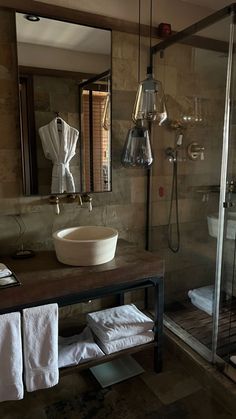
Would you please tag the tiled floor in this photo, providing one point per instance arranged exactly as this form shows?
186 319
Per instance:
172 394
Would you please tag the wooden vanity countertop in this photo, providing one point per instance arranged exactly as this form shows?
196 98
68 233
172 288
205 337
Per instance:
43 278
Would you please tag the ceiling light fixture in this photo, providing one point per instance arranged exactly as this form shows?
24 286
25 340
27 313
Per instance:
32 18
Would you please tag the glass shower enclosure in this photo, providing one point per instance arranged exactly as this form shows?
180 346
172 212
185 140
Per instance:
192 184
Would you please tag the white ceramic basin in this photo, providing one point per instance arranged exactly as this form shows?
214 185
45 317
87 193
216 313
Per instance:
85 245
212 221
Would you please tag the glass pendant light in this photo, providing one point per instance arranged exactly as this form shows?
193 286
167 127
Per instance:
137 151
150 100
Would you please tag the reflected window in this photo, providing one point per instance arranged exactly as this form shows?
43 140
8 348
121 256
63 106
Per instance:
95 130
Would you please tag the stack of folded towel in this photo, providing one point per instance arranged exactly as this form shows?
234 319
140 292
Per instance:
120 328
5 275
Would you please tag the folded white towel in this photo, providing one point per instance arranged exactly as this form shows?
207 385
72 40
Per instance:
40 331
203 298
7 280
77 349
11 363
118 322
129 342
4 271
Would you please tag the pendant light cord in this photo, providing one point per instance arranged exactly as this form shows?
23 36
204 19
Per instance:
150 35
139 39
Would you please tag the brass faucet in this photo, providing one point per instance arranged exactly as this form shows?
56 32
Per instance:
73 197
87 198
55 200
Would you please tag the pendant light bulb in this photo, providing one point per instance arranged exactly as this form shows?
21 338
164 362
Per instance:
137 151
150 100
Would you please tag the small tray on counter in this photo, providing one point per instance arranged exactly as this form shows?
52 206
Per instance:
9 281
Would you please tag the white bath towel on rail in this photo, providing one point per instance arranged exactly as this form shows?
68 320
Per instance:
118 322
77 349
40 342
11 363
129 342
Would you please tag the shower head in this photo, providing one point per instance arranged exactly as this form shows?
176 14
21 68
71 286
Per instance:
179 139
172 152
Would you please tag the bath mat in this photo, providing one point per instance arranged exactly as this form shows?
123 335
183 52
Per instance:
115 371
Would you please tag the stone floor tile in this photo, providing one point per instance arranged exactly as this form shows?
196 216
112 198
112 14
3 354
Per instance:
170 386
201 405
171 394
171 411
173 383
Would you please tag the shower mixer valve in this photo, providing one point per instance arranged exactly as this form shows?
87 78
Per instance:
195 151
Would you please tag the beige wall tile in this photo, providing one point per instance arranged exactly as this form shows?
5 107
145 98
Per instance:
138 189
9 132
9 171
124 73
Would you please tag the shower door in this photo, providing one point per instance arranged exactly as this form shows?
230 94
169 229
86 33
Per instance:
194 76
224 332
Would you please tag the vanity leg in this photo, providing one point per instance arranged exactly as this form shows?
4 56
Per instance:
121 298
146 298
158 325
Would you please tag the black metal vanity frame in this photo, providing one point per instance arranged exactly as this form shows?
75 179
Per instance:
118 289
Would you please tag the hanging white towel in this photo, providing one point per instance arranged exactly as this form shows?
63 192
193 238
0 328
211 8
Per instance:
4 271
11 364
40 342
60 148
118 322
129 342
77 349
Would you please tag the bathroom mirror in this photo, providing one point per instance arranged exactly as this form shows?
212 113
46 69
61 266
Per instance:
65 102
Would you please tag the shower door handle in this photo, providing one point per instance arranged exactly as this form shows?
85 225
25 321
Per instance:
228 204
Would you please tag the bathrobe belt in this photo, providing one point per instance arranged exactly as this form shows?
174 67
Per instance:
62 179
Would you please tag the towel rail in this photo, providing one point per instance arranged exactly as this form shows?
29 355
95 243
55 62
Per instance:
118 289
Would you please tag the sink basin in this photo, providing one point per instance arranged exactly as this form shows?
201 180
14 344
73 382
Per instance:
85 245
212 221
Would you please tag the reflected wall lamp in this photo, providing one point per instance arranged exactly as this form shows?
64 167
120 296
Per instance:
149 106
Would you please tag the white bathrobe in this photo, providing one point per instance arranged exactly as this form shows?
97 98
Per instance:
60 148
